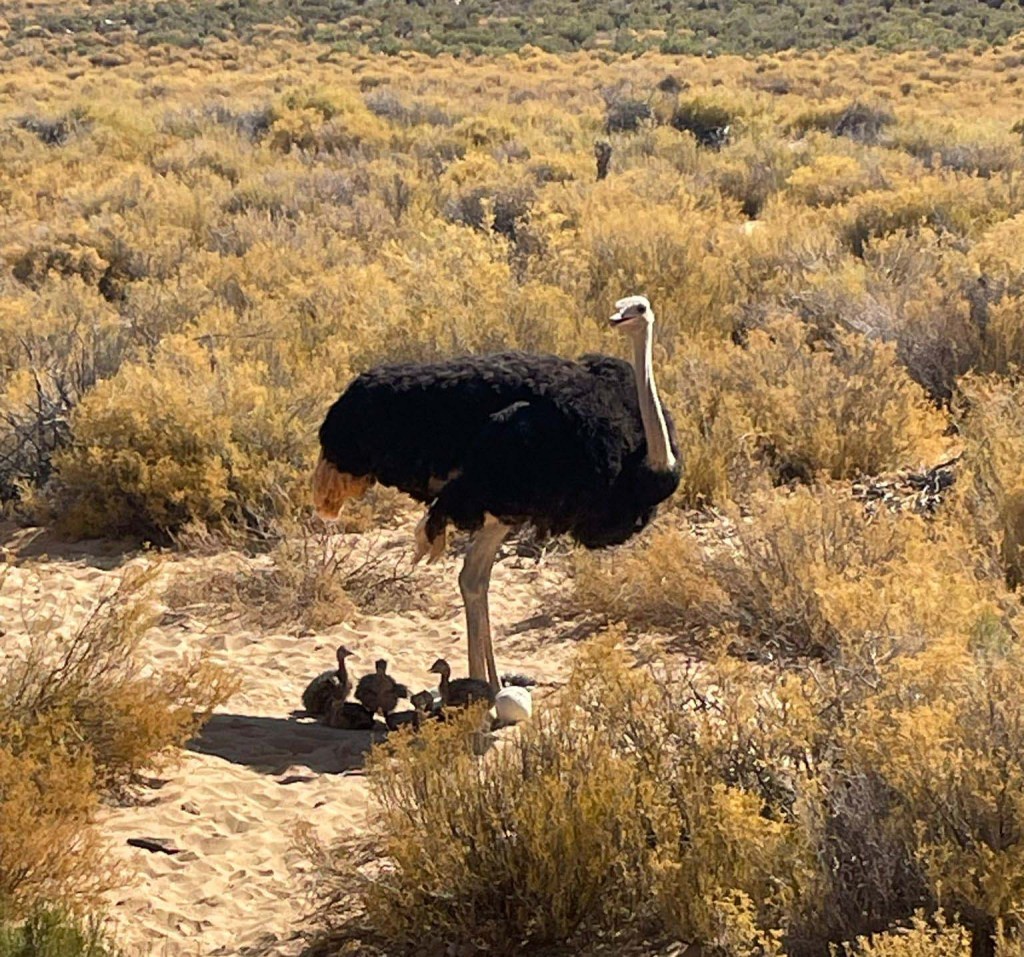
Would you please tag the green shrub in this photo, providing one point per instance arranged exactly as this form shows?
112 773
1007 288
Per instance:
52 933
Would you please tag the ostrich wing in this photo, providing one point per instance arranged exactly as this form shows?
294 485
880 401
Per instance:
531 462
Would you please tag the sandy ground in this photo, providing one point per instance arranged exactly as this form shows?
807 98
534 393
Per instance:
238 882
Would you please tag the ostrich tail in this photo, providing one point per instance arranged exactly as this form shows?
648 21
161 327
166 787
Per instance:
331 488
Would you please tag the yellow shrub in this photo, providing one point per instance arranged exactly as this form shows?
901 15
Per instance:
803 573
92 689
828 181
991 421
609 808
183 439
47 799
919 940
79 716
783 409
947 735
329 120
848 410
962 207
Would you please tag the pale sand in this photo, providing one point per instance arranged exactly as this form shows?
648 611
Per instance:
257 770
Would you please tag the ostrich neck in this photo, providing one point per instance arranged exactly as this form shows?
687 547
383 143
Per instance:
659 452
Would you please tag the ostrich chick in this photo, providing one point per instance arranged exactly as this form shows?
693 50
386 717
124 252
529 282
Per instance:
462 691
489 443
348 716
425 707
380 692
328 687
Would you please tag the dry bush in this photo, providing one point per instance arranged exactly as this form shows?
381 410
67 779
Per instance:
829 180
91 687
929 301
608 812
785 408
803 573
753 171
748 809
81 716
329 119
705 121
184 439
946 736
310 578
47 799
447 823
980 151
961 207
920 939
991 490
846 410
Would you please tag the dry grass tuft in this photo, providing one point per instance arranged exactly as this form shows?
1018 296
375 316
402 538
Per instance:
310 578
93 687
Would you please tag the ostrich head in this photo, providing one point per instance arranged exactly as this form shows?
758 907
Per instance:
331 488
381 664
633 313
344 653
441 667
423 701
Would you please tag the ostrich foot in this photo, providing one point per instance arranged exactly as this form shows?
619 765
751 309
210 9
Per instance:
432 549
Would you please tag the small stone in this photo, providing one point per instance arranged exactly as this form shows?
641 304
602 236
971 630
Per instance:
155 845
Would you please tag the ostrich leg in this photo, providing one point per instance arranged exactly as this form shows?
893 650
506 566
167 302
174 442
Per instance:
474 580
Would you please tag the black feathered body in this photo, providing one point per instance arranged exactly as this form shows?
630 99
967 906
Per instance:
527 438
349 716
380 692
460 692
326 688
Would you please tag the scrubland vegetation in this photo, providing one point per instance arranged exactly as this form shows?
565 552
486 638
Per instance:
555 26
200 247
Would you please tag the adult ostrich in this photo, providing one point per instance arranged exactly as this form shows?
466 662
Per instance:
491 442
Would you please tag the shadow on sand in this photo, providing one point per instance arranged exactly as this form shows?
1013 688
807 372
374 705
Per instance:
283 745
28 543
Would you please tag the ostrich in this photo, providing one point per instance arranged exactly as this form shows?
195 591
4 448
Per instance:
425 706
328 687
461 691
348 716
492 442
379 691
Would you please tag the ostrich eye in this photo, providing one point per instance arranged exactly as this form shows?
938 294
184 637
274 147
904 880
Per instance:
641 309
